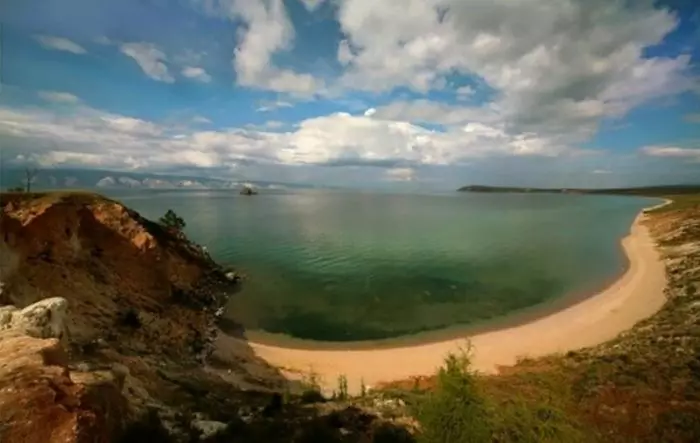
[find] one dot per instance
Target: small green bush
(342, 387)
(454, 411)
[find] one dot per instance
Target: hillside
(132, 310)
(651, 191)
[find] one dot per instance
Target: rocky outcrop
(107, 317)
(128, 281)
(40, 400)
(44, 319)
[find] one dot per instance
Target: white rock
(43, 319)
(208, 428)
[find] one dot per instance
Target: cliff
(106, 326)
(137, 298)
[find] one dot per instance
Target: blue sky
(418, 93)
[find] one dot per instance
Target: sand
(636, 295)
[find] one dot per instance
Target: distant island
(642, 191)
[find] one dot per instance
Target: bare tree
(29, 175)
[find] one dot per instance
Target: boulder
(42, 402)
(43, 319)
(208, 428)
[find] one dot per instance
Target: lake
(345, 266)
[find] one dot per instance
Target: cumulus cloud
(265, 29)
(426, 111)
(557, 66)
(336, 139)
(60, 44)
(196, 73)
(151, 60)
(58, 97)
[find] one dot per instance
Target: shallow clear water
(339, 266)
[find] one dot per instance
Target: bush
(455, 411)
(342, 387)
(129, 318)
(312, 396)
(172, 221)
(531, 422)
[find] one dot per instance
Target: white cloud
(464, 92)
(131, 125)
(370, 112)
(312, 5)
(266, 30)
(601, 171)
(267, 106)
(671, 151)
(201, 120)
(151, 60)
(558, 67)
(196, 73)
(339, 139)
(426, 111)
(400, 174)
(58, 97)
(60, 44)
(102, 40)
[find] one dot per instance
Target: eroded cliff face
(110, 264)
(133, 299)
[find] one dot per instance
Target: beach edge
(637, 294)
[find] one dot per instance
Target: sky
(365, 93)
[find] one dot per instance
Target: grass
(679, 202)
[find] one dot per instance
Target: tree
(29, 175)
(172, 221)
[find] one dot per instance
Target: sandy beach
(637, 294)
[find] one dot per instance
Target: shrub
(455, 411)
(342, 387)
(532, 422)
(172, 221)
(130, 318)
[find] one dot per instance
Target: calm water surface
(340, 266)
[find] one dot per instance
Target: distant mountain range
(104, 179)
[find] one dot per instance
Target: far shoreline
(515, 319)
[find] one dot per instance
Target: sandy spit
(636, 295)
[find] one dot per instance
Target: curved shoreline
(635, 295)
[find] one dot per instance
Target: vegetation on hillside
(172, 221)
(650, 191)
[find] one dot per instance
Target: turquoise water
(342, 266)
